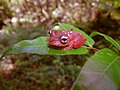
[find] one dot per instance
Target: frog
(66, 39)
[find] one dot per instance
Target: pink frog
(66, 40)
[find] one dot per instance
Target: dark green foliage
(36, 72)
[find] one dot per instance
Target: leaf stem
(92, 48)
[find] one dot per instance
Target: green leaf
(116, 3)
(108, 38)
(100, 72)
(90, 42)
(40, 46)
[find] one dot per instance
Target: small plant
(101, 70)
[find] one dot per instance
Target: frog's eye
(64, 39)
(71, 31)
(49, 32)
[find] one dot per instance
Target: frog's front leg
(69, 47)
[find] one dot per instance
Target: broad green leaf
(40, 46)
(90, 42)
(100, 72)
(108, 38)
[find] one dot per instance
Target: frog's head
(59, 38)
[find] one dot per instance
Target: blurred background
(29, 19)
